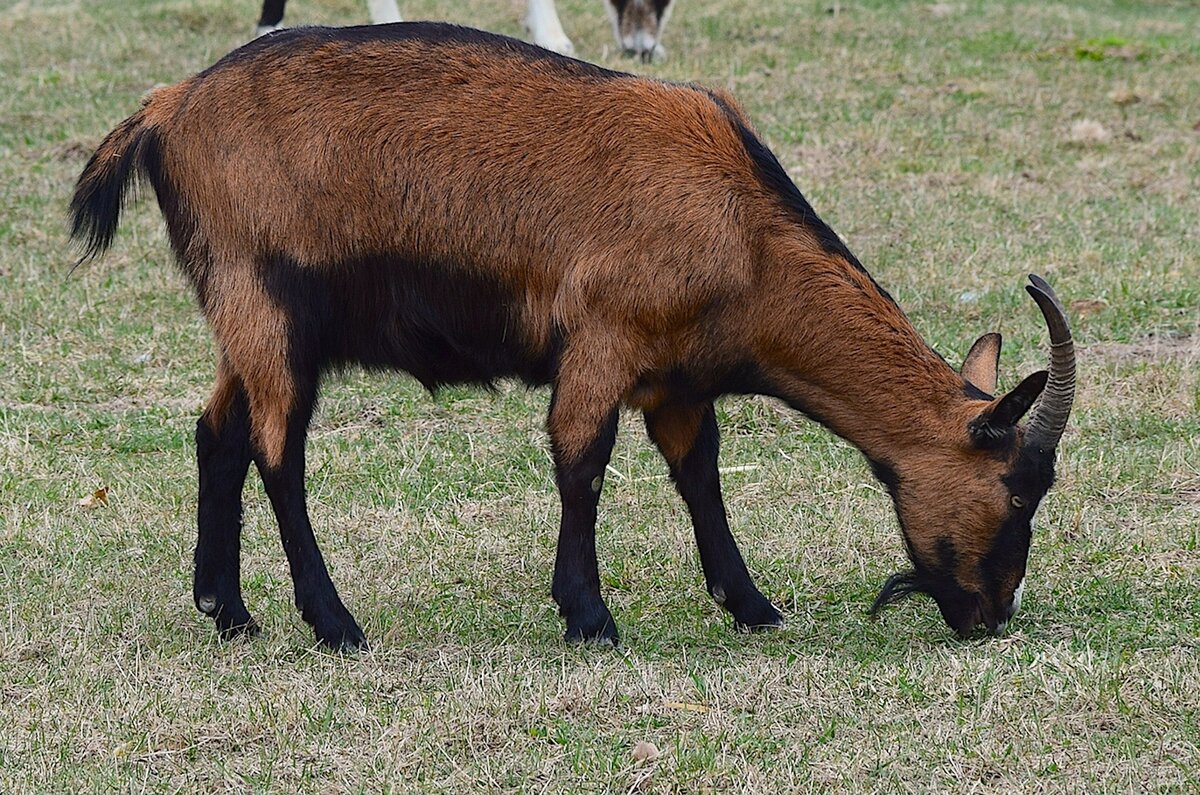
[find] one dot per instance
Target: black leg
(580, 475)
(316, 597)
(687, 437)
(272, 13)
(223, 457)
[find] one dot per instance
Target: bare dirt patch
(1149, 349)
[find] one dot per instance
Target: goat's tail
(128, 152)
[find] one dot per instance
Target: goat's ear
(996, 422)
(981, 368)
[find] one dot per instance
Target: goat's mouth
(963, 623)
(965, 618)
(645, 56)
(641, 44)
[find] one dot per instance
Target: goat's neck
(834, 346)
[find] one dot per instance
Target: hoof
(765, 626)
(605, 639)
(336, 629)
(345, 641)
(595, 629)
(247, 628)
(232, 618)
(754, 614)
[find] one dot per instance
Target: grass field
(955, 146)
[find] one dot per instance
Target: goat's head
(966, 502)
(638, 25)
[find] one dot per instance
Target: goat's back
(429, 142)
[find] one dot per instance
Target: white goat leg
(382, 11)
(544, 26)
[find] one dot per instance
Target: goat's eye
(1017, 501)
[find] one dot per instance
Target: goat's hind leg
(269, 328)
(316, 597)
(223, 458)
(688, 439)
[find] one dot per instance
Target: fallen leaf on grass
(96, 499)
(1109, 47)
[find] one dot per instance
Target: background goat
(467, 207)
(638, 25)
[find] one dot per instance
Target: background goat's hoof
(559, 44)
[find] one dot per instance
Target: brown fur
(559, 253)
(674, 431)
(224, 391)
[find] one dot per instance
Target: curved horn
(1049, 419)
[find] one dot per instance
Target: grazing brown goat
(467, 207)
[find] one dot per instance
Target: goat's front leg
(582, 432)
(223, 458)
(687, 437)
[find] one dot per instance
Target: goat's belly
(442, 324)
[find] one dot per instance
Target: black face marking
(947, 555)
(1030, 478)
(887, 476)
